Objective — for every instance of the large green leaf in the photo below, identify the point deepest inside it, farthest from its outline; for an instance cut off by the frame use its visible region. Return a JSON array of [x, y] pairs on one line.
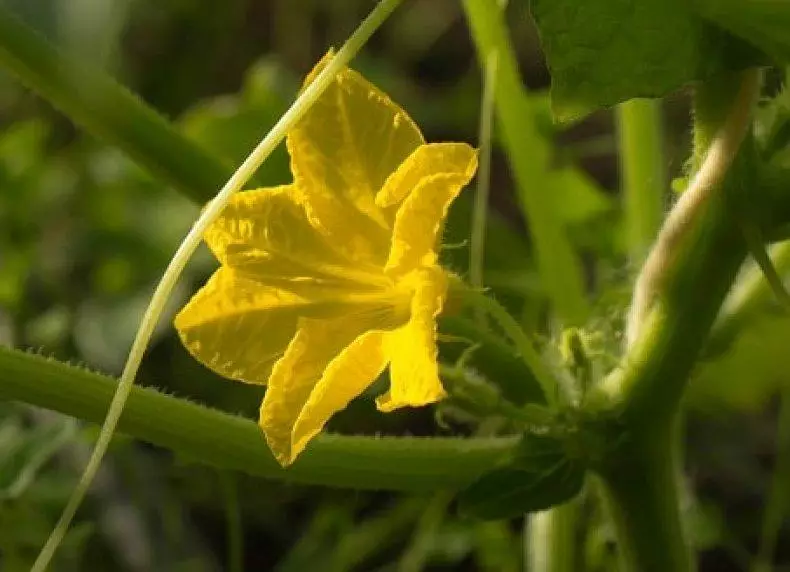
[[602, 52], [764, 23], [540, 476]]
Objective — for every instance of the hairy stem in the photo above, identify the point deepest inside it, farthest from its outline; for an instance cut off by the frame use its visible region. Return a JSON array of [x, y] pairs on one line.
[[523, 345], [695, 261], [719, 152], [211, 437], [643, 500], [184, 252]]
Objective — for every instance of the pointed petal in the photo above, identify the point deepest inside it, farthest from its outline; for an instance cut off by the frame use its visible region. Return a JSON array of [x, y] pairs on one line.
[[414, 371], [297, 402], [239, 327], [345, 378], [419, 219], [342, 151], [426, 160], [350, 141]]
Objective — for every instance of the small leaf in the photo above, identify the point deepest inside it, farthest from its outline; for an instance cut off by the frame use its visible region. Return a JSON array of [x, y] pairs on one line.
[[540, 477], [602, 52]]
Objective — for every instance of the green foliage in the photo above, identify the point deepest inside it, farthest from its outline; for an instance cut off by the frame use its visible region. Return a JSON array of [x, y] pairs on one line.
[[602, 52], [539, 476], [763, 23]]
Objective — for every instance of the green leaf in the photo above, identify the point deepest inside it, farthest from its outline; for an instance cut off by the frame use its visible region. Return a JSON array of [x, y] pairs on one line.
[[764, 23], [602, 52], [540, 476]]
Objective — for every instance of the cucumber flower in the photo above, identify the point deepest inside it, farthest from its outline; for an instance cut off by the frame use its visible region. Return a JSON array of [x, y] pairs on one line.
[[325, 282]]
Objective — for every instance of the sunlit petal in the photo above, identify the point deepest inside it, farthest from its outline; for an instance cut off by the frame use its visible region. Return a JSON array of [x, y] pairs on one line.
[[346, 376], [351, 140], [427, 160], [300, 380], [419, 219], [266, 233], [239, 327], [412, 350], [342, 151]]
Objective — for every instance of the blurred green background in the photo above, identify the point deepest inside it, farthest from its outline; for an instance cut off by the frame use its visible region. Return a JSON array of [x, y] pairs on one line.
[[84, 234]]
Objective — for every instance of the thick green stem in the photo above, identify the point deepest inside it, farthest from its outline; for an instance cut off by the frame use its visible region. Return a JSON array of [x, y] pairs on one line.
[[642, 496], [642, 172], [703, 248], [551, 538], [211, 437]]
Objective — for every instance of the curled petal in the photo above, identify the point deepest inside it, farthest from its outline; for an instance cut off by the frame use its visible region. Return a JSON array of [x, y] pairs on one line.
[[327, 364], [427, 160], [412, 350], [419, 219]]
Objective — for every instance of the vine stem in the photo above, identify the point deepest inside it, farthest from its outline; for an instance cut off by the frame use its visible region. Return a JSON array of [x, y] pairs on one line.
[[701, 248], [523, 345], [162, 292], [480, 212], [719, 155]]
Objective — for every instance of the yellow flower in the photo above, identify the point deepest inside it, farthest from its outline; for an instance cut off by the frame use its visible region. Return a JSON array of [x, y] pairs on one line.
[[326, 281]]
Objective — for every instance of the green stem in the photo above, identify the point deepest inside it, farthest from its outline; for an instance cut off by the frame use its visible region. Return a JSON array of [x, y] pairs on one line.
[[703, 250], [109, 111], [642, 496], [530, 158], [642, 171], [551, 539], [523, 345], [229, 442], [190, 243], [480, 211]]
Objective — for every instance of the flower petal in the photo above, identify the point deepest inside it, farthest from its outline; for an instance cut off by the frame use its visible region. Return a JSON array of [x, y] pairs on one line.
[[239, 327], [414, 371], [426, 160], [342, 151], [327, 364], [350, 141], [419, 219], [266, 233]]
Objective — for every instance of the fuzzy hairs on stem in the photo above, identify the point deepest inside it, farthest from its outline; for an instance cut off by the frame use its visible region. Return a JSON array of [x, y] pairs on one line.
[[686, 210]]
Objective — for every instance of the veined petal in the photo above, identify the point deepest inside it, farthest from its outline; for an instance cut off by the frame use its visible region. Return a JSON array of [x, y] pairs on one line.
[[325, 366], [266, 233], [345, 378], [350, 141], [420, 217], [412, 350], [342, 151], [239, 327], [426, 160]]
